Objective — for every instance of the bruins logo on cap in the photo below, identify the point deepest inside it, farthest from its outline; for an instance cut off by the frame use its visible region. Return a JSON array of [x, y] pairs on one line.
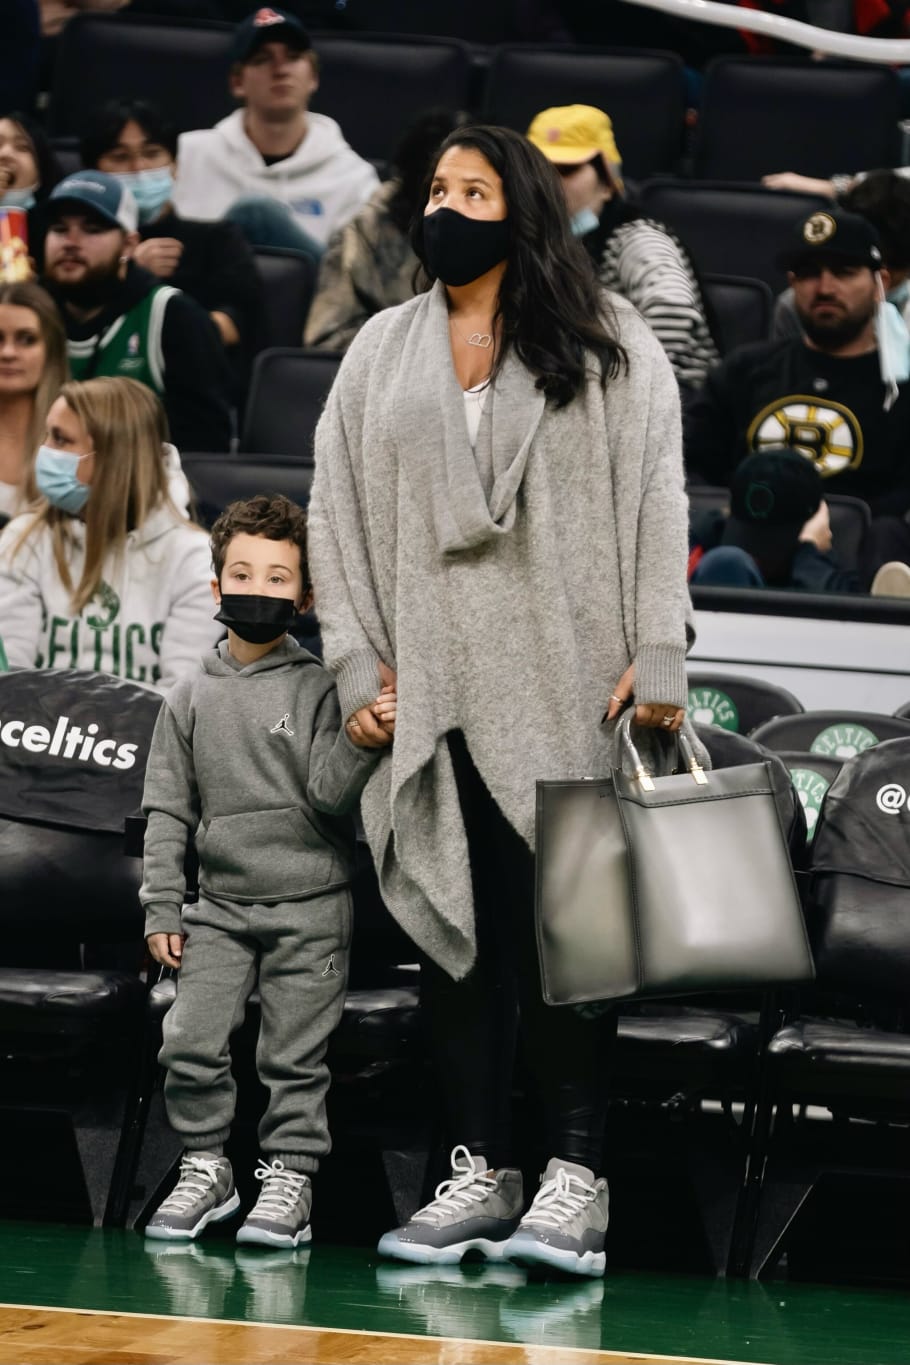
[[819, 228]]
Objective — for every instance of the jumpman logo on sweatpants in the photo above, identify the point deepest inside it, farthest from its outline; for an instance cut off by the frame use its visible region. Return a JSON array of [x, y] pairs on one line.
[[282, 728], [331, 969]]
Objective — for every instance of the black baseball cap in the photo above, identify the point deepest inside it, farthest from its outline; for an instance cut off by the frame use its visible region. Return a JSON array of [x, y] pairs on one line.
[[267, 25], [773, 493], [832, 235]]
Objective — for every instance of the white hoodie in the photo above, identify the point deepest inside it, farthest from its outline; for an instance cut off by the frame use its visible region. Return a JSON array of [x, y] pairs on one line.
[[150, 620], [324, 182]]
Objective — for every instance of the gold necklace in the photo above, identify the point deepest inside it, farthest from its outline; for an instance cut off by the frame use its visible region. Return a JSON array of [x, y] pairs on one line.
[[482, 339]]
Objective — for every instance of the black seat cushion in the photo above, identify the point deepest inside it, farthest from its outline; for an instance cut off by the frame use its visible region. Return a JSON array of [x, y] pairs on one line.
[[62, 1014], [828, 1060], [674, 1047]]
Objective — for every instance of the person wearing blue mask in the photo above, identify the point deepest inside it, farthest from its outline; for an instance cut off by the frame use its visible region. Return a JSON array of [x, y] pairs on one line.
[[635, 256], [105, 571], [212, 262]]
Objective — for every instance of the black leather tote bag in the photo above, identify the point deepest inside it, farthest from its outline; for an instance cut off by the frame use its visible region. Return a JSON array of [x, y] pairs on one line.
[[663, 885]]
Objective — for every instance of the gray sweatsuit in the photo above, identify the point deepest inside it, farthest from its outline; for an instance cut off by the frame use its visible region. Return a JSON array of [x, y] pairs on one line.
[[255, 764]]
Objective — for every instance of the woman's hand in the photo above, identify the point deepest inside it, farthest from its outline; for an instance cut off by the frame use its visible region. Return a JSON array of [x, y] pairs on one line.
[[656, 715], [372, 726], [166, 948]]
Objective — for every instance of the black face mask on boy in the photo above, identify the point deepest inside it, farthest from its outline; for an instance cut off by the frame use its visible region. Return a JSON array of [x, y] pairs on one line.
[[460, 249], [255, 618]]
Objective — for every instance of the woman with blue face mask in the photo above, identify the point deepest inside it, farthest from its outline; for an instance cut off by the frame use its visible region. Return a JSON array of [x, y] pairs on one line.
[[105, 571], [211, 262]]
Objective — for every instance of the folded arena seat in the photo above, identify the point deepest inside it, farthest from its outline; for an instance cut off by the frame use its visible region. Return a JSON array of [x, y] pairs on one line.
[[73, 748], [844, 1049]]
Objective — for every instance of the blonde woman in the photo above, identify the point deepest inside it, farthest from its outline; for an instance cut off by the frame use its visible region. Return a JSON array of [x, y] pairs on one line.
[[106, 572], [32, 369]]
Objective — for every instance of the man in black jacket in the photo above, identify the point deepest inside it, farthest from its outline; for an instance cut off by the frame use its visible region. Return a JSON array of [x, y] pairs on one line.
[[824, 393], [120, 320]]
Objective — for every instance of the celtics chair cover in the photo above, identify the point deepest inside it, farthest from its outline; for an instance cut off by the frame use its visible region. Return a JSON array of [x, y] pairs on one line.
[[73, 748], [736, 703], [832, 734]]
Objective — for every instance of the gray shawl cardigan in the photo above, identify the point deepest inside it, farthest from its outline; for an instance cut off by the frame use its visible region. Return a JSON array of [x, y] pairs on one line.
[[510, 587]]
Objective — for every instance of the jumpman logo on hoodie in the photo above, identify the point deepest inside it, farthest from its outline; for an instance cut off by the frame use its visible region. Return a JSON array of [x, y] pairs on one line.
[[282, 728]]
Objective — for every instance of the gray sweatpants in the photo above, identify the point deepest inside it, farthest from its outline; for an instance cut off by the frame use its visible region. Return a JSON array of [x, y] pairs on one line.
[[297, 952]]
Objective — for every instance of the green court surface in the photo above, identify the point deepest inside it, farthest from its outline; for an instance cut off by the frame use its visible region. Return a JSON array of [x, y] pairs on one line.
[[341, 1287]]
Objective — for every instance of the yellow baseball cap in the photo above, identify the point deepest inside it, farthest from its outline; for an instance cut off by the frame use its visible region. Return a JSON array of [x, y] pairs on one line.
[[574, 133]]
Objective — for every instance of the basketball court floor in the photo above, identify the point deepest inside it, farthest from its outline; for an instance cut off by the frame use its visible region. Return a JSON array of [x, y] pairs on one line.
[[74, 1294]]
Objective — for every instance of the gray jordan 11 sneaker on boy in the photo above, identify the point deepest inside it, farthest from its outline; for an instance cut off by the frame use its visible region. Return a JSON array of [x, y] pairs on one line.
[[566, 1224], [477, 1210], [281, 1216], [204, 1194]]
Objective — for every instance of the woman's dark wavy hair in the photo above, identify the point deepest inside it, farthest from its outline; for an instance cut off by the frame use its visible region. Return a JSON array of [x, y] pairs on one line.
[[550, 303]]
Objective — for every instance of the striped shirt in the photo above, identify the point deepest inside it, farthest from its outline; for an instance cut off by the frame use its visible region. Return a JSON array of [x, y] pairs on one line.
[[645, 263]]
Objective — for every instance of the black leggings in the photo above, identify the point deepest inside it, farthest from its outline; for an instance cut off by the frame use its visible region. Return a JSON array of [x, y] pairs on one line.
[[474, 1023]]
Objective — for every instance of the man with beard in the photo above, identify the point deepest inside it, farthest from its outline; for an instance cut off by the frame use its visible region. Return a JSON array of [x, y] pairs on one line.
[[120, 320], [826, 394]]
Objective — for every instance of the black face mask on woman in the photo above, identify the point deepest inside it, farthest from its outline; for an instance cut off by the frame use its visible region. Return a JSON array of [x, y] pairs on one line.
[[255, 618], [460, 249]]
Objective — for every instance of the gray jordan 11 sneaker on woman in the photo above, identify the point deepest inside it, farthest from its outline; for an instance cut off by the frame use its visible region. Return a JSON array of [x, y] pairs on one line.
[[204, 1194], [281, 1215], [566, 1224], [477, 1210]]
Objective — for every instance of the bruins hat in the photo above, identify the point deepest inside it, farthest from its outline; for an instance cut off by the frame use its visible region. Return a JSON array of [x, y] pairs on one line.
[[832, 235]]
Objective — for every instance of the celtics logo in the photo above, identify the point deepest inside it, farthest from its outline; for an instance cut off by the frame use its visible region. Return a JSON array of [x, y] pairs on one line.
[[707, 706], [810, 787], [108, 607], [843, 741], [827, 433]]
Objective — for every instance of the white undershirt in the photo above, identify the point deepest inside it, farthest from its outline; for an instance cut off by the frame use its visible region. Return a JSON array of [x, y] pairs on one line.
[[474, 400]]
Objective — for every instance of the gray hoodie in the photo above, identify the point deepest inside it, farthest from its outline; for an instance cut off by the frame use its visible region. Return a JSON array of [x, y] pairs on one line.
[[254, 763]]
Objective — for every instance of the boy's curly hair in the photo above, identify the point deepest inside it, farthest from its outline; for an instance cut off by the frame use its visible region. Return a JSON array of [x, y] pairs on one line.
[[270, 515]]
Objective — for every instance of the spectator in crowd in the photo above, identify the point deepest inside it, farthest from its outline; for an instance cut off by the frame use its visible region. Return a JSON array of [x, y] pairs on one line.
[[212, 262], [285, 175], [370, 263], [120, 320], [28, 167], [105, 572], [56, 14], [884, 198], [542, 519], [33, 368], [635, 256], [777, 533], [829, 393]]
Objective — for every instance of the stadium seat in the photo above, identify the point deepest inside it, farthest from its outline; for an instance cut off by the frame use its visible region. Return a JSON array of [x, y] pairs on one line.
[[71, 992], [288, 281], [835, 734], [182, 67], [761, 115], [733, 229], [643, 92], [287, 393], [851, 519], [811, 775], [217, 479], [739, 310], [737, 703], [903, 711], [375, 86], [845, 1048], [673, 1056]]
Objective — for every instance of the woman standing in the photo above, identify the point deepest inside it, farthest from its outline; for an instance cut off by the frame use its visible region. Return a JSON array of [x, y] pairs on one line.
[[498, 517], [33, 366], [105, 572]]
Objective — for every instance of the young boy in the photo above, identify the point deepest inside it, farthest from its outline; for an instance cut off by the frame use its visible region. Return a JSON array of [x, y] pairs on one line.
[[250, 757]]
